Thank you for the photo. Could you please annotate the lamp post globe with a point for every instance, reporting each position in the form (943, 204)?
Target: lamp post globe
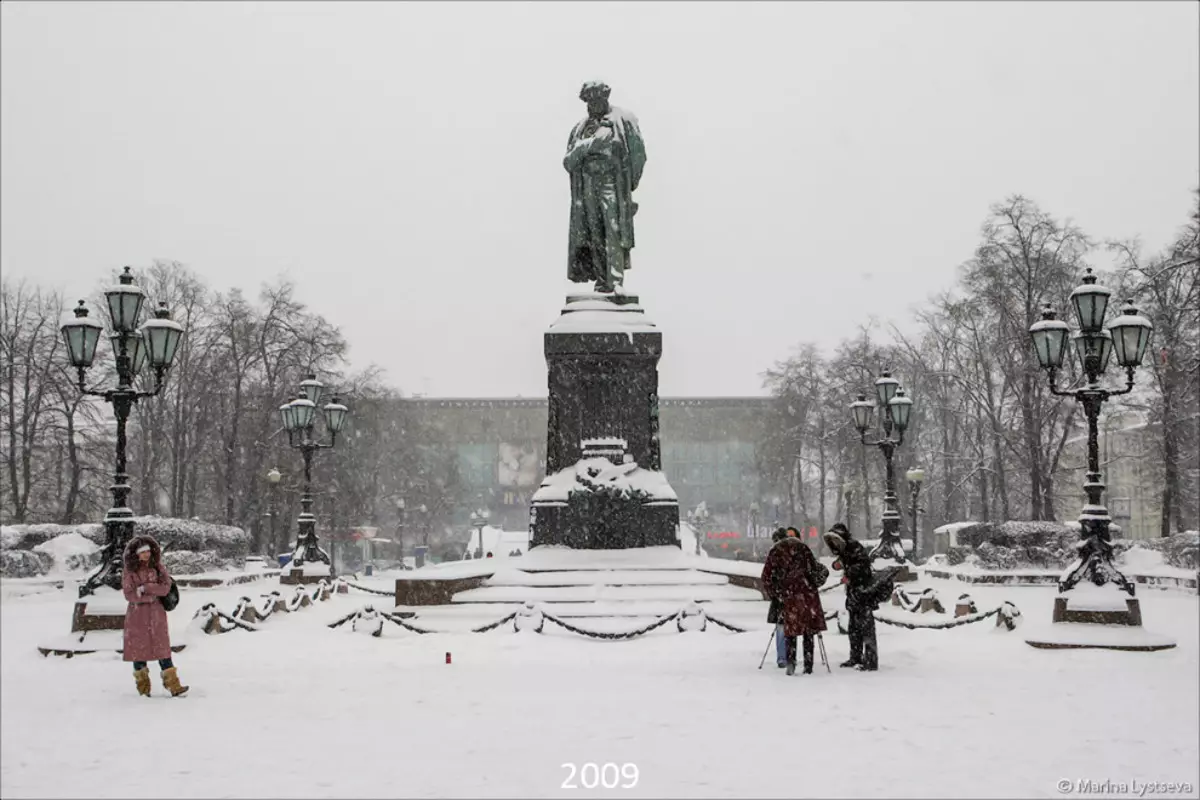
(897, 412)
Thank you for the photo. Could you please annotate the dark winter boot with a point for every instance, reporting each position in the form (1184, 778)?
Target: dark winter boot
(142, 676)
(850, 663)
(808, 655)
(170, 680)
(791, 655)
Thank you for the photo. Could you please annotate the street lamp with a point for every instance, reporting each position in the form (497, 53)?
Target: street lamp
(754, 510)
(897, 411)
(156, 341)
(273, 477)
(479, 520)
(400, 529)
(1125, 337)
(698, 518)
(915, 477)
(775, 505)
(299, 418)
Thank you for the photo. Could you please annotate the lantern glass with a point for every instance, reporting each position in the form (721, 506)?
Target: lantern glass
(862, 410)
(304, 409)
(135, 349)
(885, 388)
(1099, 344)
(915, 475)
(1049, 340)
(288, 415)
(1091, 303)
(125, 303)
(311, 387)
(1130, 336)
(335, 416)
(81, 335)
(901, 409)
(273, 476)
(163, 336)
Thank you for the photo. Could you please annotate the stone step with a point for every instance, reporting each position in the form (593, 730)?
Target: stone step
(679, 593)
(743, 610)
(616, 577)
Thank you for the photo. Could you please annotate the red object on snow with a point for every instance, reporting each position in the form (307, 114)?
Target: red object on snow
(447, 657)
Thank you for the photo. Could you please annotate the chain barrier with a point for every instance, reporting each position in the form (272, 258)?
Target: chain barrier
(368, 589)
(1009, 617)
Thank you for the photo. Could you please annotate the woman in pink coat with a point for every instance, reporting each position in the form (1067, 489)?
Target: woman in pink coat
(146, 635)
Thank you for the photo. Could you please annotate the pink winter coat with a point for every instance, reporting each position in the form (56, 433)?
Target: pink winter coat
(146, 635)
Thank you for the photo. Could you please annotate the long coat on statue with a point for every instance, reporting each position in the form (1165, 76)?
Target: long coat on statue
(147, 637)
(790, 576)
(621, 143)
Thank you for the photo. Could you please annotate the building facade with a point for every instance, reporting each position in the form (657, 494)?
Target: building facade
(708, 451)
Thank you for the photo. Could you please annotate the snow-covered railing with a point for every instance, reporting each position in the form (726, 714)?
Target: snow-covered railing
(531, 617)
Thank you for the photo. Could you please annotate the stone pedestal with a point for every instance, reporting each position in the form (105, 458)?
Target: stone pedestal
(1100, 618)
(602, 358)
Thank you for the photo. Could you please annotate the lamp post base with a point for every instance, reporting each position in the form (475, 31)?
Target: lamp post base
(306, 575)
(1080, 621)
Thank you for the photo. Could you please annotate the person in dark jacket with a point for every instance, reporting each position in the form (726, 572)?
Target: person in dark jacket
(773, 612)
(861, 596)
(792, 575)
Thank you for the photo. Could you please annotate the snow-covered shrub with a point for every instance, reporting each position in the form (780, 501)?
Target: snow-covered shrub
(189, 534)
(191, 562)
(27, 537)
(1181, 550)
(24, 563)
(71, 552)
(957, 555)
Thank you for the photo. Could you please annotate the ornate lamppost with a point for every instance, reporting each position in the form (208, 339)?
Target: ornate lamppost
(479, 521)
(400, 529)
(1126, 337)
(915, 477)
(897, 410)
(154, 342)
(299, 418)
(273, 477)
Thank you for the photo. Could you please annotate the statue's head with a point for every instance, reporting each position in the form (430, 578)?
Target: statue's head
(595, 94)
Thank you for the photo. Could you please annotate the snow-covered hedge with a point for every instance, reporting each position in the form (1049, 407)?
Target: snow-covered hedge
(189, 546)
(1052, 545)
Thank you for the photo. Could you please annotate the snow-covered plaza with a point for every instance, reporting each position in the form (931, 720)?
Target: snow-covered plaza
(297, 709)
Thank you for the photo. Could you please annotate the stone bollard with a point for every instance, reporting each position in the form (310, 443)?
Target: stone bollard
(965, 606)
(930, 602)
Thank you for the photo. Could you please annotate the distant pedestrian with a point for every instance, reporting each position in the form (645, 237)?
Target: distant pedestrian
(489, 555)
(793, 575)
(147, 637)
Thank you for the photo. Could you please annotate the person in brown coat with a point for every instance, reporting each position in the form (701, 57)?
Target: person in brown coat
(792, 575)
(147, 637)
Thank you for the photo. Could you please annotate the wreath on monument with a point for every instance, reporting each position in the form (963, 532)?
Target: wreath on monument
(599, 511)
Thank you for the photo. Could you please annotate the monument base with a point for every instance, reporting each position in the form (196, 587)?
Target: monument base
(604, 489)
(1098, 618)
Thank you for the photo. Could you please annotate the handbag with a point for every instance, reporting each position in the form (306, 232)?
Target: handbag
(171, 598)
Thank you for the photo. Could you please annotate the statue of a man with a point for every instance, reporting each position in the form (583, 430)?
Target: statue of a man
(605, 157)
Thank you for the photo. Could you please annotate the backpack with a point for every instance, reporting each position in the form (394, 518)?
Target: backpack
(171, 598)
(819, 575)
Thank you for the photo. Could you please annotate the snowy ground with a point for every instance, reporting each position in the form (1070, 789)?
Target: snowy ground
(299, 710)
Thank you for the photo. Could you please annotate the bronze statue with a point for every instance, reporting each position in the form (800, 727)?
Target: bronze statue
(605, 157)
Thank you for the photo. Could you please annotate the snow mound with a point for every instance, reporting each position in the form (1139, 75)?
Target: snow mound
(71, 552)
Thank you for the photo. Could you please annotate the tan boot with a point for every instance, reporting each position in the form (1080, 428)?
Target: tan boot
(142, 676)
(171, 681)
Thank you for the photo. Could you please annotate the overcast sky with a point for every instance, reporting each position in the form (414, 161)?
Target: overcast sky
(809, 165)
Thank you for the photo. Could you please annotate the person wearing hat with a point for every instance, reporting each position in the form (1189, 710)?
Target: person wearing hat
(855, 563)
(792, 575)
(146, 636)
(773, 612)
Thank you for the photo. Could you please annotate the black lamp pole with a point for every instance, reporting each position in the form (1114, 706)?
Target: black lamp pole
(299, 417)
(897, 409)
(156, 341)
(1127, 337)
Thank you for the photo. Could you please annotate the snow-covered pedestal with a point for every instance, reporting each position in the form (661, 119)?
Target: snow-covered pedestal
(1098, 617)
(308, 572)
(602, 434)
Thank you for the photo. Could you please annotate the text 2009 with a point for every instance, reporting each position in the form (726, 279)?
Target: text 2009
(608, 776)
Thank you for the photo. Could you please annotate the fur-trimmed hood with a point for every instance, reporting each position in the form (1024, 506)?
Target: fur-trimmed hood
(131, 548)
